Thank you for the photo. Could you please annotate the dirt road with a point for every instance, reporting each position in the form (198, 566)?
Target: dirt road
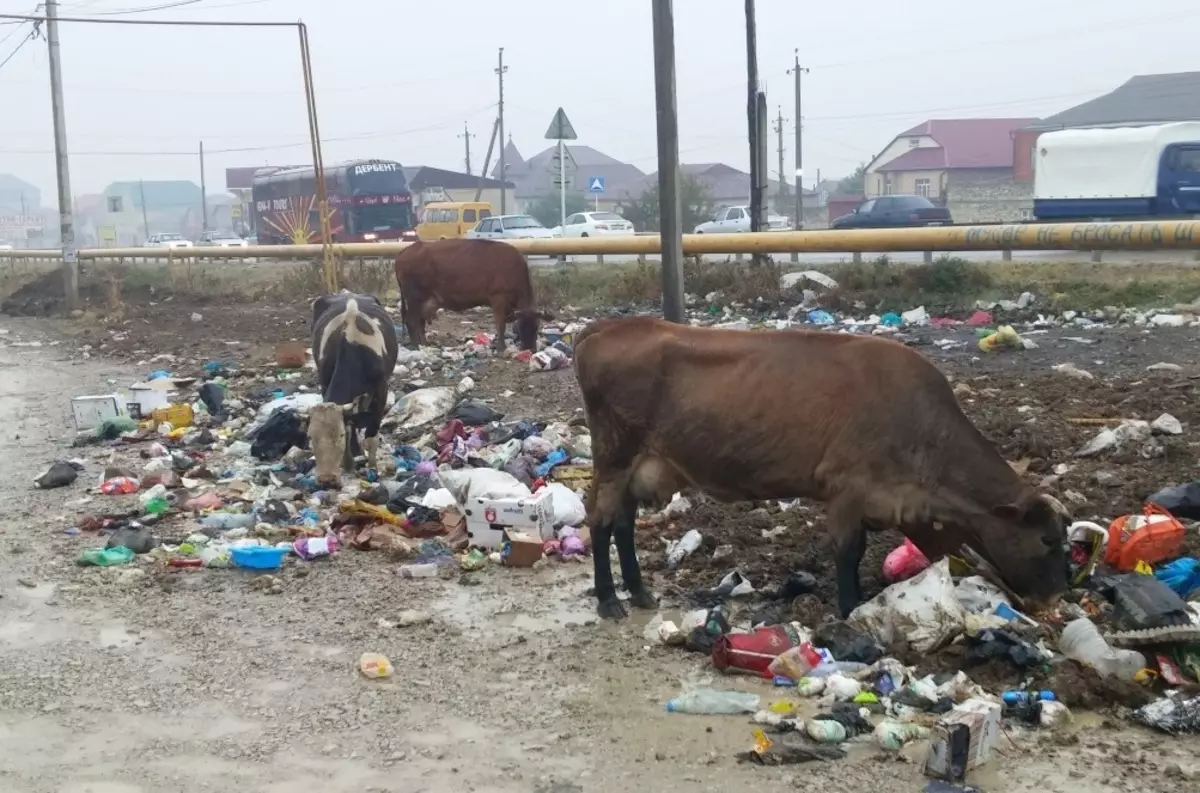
(114, 682)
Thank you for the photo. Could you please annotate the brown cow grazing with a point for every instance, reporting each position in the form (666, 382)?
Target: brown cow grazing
(460, 274)
(864, 424)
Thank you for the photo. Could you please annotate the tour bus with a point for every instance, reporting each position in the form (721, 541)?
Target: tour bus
(369, 201)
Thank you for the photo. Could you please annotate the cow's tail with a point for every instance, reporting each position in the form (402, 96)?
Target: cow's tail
(360, 356)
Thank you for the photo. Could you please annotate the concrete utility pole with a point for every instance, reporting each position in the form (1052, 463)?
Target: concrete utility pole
(466, 136)
(487, 160)
(500, 70)
(796, 71)
(70, 256)
(752, 115)
(783, 182)
(670, 220)
(145, 218)
(764, 171)
(203, 193)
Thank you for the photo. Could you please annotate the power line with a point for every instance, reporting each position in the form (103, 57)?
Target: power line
(144, 9)
(33, 34)
(272, 147)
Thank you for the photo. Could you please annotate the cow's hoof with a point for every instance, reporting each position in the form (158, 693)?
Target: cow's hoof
(611, 609)
(643, 598)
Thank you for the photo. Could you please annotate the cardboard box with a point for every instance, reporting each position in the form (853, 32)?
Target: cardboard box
(524, 550)
(489, 518)
(92, 411)
(963, 739)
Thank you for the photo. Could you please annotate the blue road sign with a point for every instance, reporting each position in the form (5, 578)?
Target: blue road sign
(595, 184)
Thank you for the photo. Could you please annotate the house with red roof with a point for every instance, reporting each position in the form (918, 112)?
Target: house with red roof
(964, 163)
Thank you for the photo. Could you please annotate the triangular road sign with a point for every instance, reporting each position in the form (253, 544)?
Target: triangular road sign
(560, 128)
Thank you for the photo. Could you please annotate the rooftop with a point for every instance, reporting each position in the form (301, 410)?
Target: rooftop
(1144, 99)
(962, 143)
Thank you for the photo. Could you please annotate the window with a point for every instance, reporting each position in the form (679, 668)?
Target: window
(1187, 160)
(485, 213)
(914, 143)
(521, 222)
(484, 226)
(1026, 214)
(574, 220)
(115, 203)
(922, 188)
(910, 202)
(606, 216)
(734, 214)
(468, 216)
(867, 207)
(887, 186)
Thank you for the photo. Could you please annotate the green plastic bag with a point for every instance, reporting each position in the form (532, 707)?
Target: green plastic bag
(106, 557)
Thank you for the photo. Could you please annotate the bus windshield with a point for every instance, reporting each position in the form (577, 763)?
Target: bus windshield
(382, 217)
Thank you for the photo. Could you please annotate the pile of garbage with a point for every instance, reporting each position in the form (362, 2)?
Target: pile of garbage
(218, 469)
(1130, 623)
(992, 335)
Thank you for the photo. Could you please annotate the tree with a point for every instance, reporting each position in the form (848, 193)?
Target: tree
(695, 206)
(855, 182)
(547, 208)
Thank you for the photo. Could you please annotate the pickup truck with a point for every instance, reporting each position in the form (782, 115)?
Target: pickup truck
(734, 220)
(894, 211)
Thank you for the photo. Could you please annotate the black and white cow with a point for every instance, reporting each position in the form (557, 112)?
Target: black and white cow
(354, 347)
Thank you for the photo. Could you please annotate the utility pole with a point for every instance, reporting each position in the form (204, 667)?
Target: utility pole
(783, 182)
(670, 221)
(70, 256)
(752, 115)
(500, 70)
(764, 169)
(796, 71)
(487, 160)
(466, 136)
(145, 218)
(203, 193)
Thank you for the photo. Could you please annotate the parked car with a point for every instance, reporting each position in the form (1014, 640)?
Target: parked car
(597, 224)
(221, 239)
(894, 211)
(168, 241)
(734, 220)
(510, 227)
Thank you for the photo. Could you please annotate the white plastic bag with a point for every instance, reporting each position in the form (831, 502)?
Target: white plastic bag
(472, 483)
(922, 610)
(976, 593)
(537, 446)
(580, 446)
(424, 406)
(567, 505)
(299, 401)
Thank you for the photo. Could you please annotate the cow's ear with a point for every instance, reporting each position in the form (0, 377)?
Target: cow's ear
(320, 306)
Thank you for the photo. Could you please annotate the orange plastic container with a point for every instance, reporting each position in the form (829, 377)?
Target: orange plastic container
(1153, 537)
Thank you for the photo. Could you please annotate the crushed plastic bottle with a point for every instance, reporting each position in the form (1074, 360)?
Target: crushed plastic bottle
(1081, 641)
(711, 701)
(686, 545)
(427, 570)
(224, 521)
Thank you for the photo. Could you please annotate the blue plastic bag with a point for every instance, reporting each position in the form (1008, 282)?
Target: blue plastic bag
(1181, 575)
(819, 317)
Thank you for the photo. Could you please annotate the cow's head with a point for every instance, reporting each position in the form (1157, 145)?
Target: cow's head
(528, 323)
(325, 302)
(1026, 543)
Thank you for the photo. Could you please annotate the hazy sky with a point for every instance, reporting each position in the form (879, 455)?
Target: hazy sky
(397, 79)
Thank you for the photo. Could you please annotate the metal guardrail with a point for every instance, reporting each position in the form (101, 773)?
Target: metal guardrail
(1145, 235)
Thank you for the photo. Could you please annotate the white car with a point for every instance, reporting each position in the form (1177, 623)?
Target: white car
(221, 239)
(597, 224)
(168, 241)
(510, 227)
(734, 220)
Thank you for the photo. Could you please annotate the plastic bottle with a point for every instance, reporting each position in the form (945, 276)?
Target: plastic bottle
(428, 570)
(224, 521)
(1081, 641)
(847, 668)
(892, 735)
(711, 701)
(688, 543)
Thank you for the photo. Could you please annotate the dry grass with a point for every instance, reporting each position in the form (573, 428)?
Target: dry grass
(949, 284)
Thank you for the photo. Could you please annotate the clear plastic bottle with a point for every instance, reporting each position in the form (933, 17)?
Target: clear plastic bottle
(710, 701)
(429, 570)
(688, 543)
(1081, 641)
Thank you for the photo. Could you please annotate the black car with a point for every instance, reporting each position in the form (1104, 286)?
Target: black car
(894, 211)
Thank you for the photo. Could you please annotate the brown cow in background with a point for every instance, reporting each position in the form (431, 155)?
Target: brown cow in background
(864, 424)
(460, 274)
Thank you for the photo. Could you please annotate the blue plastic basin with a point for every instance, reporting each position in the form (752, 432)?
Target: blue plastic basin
(257, 557)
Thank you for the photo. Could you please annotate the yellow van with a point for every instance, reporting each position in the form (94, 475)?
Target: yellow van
(445, 220)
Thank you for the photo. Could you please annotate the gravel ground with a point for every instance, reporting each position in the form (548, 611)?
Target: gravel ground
(117, 683)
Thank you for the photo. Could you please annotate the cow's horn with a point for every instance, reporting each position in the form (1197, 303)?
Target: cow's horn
(1056, 505)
